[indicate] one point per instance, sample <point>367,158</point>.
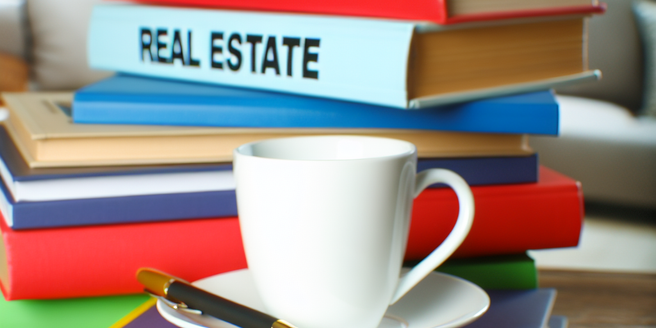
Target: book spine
<point>102,260</point>
<point>533,113</point>
<point>426,10</point>
<point>556,11</point>
<point>355,59</point>
<point>110,210</point>
<point>495,272</point>
<point>179,206</point>
<point>509,219</point>
<point>70,313</point>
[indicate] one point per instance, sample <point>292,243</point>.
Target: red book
<point>102,260</point>
<point>508,219</point>
<point>437,11</point>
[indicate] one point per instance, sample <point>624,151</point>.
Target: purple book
<point>508,309</point>
<point>150,319</point>
<point>517,309</point>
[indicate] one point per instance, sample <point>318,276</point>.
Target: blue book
<point>517,309</point>
<point>61,183</point>
<point>189,205</point>
<point>110,210</point>
<point>125,99</point>
<point>69,196</point>
<point>558,321</point>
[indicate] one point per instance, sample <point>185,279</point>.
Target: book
<point>401,64</point>
<point>145,316</point>
<point>546,214</point>
<point>88,312</point>
<point>62,183</point>
<point>508,309</point>
<point>127,99</point>
<point>512,202</point>
<point>46,137</point>
<point>517,309</point>
<point>113,210</point>
<point>509,272</point>
<point>102,260</point>
<point>97,260</point>
<point>438,11</point>
<point>558,321</point>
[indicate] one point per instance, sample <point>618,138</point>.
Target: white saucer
<point>440,300</point>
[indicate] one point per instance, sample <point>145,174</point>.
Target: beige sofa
<point>602,144</point>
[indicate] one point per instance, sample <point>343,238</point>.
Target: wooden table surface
<point>603,299</point>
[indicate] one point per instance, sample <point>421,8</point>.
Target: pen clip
<point>176,306</point>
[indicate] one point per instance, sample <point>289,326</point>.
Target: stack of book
<point>134,171</point>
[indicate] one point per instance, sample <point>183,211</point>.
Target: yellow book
<point>46,137</point>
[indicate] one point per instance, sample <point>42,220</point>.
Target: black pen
<point>186,296</point>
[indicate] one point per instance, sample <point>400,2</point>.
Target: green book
<point>494,272</point>
<point>89,312</point>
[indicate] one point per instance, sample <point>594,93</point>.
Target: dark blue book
<point>558,321</point>
<point>181,205</point>
<point>110,210</point>
<point>517,309</point>
<point>125,99</point>
<point>69,196</point>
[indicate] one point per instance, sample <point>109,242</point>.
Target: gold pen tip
<point>282,324</point>
<point>154,281</point>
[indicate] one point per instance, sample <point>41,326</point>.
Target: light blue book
<point>398,63</point>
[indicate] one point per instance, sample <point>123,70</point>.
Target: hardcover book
<point>401,64</point>
<point>514,271</point>
<point>132,208</point>
<point>135,100</point>
<point>558,321</point>
<point>87,312</point>
<point>517,309</point>
<point>46,137</point>
<point>102,259</point>
<point>546,214</point>
<point>508,309</point>
<point>511,202</point>
<point>62,183</point>
<point>438,11</point>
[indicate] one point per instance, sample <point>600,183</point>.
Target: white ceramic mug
<point>325,223</point>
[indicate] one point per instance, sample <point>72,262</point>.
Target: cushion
<point>645,13</point>
<point>59,32</point>
<point>13,34</point>
<point>614,48</point>
<point>609,150</point>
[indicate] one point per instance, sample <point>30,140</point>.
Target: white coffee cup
<point>325,221</point>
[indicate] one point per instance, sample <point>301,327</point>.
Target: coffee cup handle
<point>455,238</point>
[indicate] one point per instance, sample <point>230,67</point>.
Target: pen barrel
<point>219,307</point>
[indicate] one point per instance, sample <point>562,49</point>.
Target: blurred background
<point>608,128</point>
